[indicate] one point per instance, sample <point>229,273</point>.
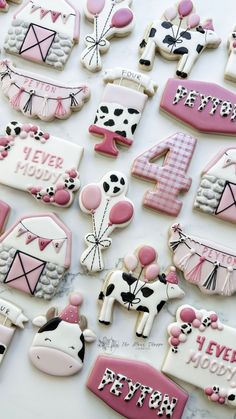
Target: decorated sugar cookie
<point>58,347</point>
<point>178,35</point>
<point>39,97</point>
<point>44,31</point>
<point>120,109</point>
<point>170,179</point>
<point>11,317</point>
<point>139,286</point>
<point>202,353</point>
<point>4,6</point>
<point>210,266</point>
<point>35,254</point>
<point>217,191</point>
<point>111,18</point>
<point>230,70</point>
<point>36,162</point>
<point>109,208</point>
<point>135,389</point>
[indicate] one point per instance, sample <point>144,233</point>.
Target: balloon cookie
<point>11,317</point>
<point>111,18</point>
<point>109,208</point>
<point>120,109</point>
<point>139,286</point>
<point>44,31</point>
<point>230,70</point>
<point>178,35</point>
<point>58,347</point>
<point>202,353</point>
<point>4,6</point>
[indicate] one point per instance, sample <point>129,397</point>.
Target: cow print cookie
<point>58,347</point>
<point>4,6</point>
<point>109,208</point>
<point>139,286</point>
<point>203,353</point>
<point>120,109</point>
<point>230,70</point>
<point>135,389</point>
<point>178,35</point>
<point>11,317</point>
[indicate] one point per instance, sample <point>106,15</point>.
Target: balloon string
<point>180,21</point>
<point>138,279</point>
<point>103,217</point>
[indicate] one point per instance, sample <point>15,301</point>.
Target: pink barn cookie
<point>171,178</point>
<point>11,317</point>
<point>205,106</point>
<point>208,265</point>
<point>44,31</point>
<point>217,191</point>
<point>4,213</point>
<point>35,254</point>
<point>203,353</point>
<point>135,389</point>
<point>39,97</point>
<point>4,6</point>
<point>58,347</point>
<point>120,109</point>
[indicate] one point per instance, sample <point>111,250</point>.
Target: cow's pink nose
<point>53,361</point>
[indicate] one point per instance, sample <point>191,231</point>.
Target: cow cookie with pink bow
<point>178,35</point>
<point>139,286</point>
<point>58,347</point>
<point>4,6</point>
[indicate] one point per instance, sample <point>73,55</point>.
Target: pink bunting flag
<point>54,15</point>
<point>30,237</point>
<point>21,230</point>
<point>43,243</point>
<point>43,13</point>
<point>57,244</point>
<point>65,17</point>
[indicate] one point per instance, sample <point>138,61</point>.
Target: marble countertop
<point>27,393</point>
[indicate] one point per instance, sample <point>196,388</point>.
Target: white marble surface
<point>27,393</point>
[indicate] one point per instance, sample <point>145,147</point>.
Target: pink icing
<point>4,212</point>
<point>187,315</point>
<point>108,145</point>
<point>95,6</point>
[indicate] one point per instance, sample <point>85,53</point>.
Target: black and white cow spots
<point>226,108</point>
<point>181,93</point>
<point>145,390</point>
<point>114,184</point>
<point>13,128</point>
<point>133,387</point>
<point>186,328</point>
<point>167,406</point>
<point>108,377</point>
<point>191,98</point>
<point>205,99</point>
<point>2,349</point>
<point>155,400</point>
<point>116,118</point>
<point>215,103</point>
<point>206,321</point>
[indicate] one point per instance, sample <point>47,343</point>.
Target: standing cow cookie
<point>111,18</point>
<point>44,31</point>
<point>109,208</point>
<point>217,191</point>
<point>178,35</point>
<point>230,70</point>
<point>121,108</point>
<point>4,6</point>
<point>58,347</point>
<point>139,286</point>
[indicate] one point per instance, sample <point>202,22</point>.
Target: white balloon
<point>171,13</point>
<point>131,262</point>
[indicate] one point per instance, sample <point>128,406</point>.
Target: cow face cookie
<point>44,31</point>
<point>58,347</point>
<point>111,18</point>
<point>40,164</point>
<point>11,317</point>
<point>202,353</point>
<point>135,389</point>
<point>210,266</point>
<point>39,97</point>
<point>139,286</point>
<point>217,191</point>
<point>4,6</point>
<point>120,109</point>
<point>34,255</point>
<point>109,208</point>
<point>230,70</point>
<point>178,35</point>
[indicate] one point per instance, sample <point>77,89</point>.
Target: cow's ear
<point>89,335</point>
<point>51,313</point>
<point>83,322</point>
<point>39,321</point>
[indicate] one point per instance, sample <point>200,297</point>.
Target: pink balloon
<point>95,6</point>
<point>121,18</point>
<point>121,213</point>
<point>146,255</point>
<point>130,262</point>
<point>152,272</point>
<point>193,20</point>
<point>91,197</point>
<point>170,13</point>
<point>185,7</point>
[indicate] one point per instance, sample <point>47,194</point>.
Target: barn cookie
<point>203,353</point>
<point>178,35</point>
<point>44,31</point>
<point>230,70</point>
<point>135,389</point>
<point>35,254</point>
<point>208,265</point>
<point>4,6</point>
<point>36,162</point>
<point>11,317</point>
<point>216,194</point>
<point>120,109</point>
<point>58,347</point>
<point>139,286</point>
<point>39,97</point>
<point>205,106</point>
<point>109,208</point>
<point>111,18</point>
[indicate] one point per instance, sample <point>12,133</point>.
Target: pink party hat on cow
<point>70,314</point>
<point>172,277</point>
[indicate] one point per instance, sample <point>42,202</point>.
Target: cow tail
<point>104,287</point>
